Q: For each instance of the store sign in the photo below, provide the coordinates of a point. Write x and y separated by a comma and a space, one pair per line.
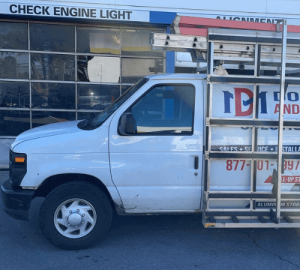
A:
249, 19
73, 12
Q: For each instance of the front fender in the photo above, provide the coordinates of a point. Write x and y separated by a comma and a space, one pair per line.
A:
43, 166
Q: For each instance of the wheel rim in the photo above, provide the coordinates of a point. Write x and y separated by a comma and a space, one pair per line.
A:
75, 218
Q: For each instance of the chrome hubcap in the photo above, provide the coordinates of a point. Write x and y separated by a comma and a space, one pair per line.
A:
75, 218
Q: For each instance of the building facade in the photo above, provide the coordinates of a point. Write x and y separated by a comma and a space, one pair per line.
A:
61, 61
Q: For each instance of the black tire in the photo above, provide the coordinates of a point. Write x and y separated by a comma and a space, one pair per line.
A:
82, 192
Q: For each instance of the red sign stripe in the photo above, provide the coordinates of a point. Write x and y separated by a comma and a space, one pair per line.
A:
198, 26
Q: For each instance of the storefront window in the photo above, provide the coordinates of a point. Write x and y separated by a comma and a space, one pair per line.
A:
133, 68
14, 122
102, 41
13, 35
14, 94
135, 42
97, 97
51, 37
14, 65
68, 71
40, 118
56, 67
98, 69
53, 95
83, 115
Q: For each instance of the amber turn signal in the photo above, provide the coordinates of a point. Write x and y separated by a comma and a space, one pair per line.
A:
19, 159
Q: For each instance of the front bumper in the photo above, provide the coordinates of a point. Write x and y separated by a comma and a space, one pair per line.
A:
16, 202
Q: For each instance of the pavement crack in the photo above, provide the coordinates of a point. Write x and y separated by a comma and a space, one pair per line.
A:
270, 252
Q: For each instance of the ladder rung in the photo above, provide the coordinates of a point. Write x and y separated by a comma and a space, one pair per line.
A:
251, 80
277, 40
250, 223
250, 122
226, 195
243, 155
235, 35
265, 213
247, 155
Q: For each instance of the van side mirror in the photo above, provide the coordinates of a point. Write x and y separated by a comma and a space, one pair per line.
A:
127, 124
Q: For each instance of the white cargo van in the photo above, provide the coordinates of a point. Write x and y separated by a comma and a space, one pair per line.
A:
178, 143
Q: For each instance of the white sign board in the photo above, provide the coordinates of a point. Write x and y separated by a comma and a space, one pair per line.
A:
235, 101
76, 12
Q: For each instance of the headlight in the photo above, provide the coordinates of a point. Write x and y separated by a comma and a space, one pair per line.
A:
17, 167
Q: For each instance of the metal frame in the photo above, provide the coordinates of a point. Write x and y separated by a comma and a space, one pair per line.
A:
251, 216
280, 126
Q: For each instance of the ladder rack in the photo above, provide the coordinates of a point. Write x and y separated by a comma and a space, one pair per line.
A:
233, 47
256, 60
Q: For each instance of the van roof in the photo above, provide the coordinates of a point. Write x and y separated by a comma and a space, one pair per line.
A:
177, 76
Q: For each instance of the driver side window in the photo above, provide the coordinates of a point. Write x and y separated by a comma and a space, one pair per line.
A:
165, 109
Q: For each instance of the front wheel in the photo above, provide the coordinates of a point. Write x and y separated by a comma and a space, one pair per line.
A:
75, 215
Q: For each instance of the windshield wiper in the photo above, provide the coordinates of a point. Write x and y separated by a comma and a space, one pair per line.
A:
89, 120
87, 123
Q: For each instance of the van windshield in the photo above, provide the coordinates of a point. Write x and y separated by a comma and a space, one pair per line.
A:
96, 120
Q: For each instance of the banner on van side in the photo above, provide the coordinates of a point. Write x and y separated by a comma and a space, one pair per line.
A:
234, 101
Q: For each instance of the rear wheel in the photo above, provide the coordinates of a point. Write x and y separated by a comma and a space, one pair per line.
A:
75, 215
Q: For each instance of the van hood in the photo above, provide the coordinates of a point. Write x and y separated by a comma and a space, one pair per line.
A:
47, 131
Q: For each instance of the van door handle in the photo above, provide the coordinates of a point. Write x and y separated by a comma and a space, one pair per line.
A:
196, 163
